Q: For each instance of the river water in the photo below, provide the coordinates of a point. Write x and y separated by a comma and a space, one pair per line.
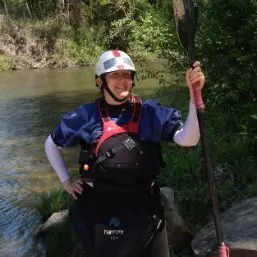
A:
31, 105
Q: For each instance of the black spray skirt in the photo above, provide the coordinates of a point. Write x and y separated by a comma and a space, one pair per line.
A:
117, 223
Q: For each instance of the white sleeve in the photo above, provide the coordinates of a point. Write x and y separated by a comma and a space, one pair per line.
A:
55, 158
189, 134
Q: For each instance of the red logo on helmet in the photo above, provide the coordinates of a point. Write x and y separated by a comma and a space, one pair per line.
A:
120, 67
116, 53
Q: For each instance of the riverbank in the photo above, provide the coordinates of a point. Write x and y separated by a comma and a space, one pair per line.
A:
35, 45
53, 43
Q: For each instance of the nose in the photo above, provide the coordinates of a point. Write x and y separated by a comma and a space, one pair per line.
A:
124, 79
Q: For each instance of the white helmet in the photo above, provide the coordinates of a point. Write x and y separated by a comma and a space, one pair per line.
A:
112, 61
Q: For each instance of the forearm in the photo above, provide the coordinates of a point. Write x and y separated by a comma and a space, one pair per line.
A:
189, 134
56, 159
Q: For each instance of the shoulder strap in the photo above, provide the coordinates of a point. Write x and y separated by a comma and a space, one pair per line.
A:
110, 128
102, 109
136, 116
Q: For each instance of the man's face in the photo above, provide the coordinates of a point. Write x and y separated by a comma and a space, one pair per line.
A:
120, 83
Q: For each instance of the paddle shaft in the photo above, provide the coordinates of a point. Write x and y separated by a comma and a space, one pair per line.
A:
186, 15
209, 174
191, 54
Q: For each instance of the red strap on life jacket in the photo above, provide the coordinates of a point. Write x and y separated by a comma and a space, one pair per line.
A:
110, 128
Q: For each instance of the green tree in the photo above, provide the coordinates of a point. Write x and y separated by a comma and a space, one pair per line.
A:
228, 46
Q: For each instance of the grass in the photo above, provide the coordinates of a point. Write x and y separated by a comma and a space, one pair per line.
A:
53, 201
60, 242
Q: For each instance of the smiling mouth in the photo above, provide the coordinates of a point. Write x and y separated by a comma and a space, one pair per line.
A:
121, 89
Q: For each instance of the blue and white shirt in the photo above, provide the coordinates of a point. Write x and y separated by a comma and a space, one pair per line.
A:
84, 124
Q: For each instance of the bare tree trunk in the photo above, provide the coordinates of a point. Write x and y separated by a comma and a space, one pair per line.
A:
68, 9
60, 4
6, 8
59, 11
28, 9
41, 12
75, 14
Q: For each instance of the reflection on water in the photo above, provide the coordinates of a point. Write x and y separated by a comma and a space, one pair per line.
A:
31, 104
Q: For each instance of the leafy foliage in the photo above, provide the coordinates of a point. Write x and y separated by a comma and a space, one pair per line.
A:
228, 46
5, 62
137, 26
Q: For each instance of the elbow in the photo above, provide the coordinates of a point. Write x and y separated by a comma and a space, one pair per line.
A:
187, 139
193, 144
190, 142
195, 141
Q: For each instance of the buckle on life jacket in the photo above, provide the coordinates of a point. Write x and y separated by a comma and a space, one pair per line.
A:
110, 153
107, 155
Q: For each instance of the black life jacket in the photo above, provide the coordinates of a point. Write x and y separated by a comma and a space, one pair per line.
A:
120, 157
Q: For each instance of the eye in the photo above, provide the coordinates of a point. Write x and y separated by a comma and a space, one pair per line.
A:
114, 75
127, 75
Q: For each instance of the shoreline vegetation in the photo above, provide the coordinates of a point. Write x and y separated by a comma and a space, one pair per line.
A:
67, 33
74, 34
35, 45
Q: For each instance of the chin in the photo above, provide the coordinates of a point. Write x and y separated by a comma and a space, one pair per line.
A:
123, 95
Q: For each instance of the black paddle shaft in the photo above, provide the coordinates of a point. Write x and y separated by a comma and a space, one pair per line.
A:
186, 15
210, 179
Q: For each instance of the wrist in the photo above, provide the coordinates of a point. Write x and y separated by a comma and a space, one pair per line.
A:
67, 182
192, 99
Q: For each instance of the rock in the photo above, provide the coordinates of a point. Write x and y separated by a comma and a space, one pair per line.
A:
239, 226
176, 228
55, 220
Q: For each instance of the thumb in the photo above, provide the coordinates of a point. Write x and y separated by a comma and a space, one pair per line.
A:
188, 72
196, 63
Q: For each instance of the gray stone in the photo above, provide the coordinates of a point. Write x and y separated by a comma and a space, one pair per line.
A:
55, 220
239, 226
176, 228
